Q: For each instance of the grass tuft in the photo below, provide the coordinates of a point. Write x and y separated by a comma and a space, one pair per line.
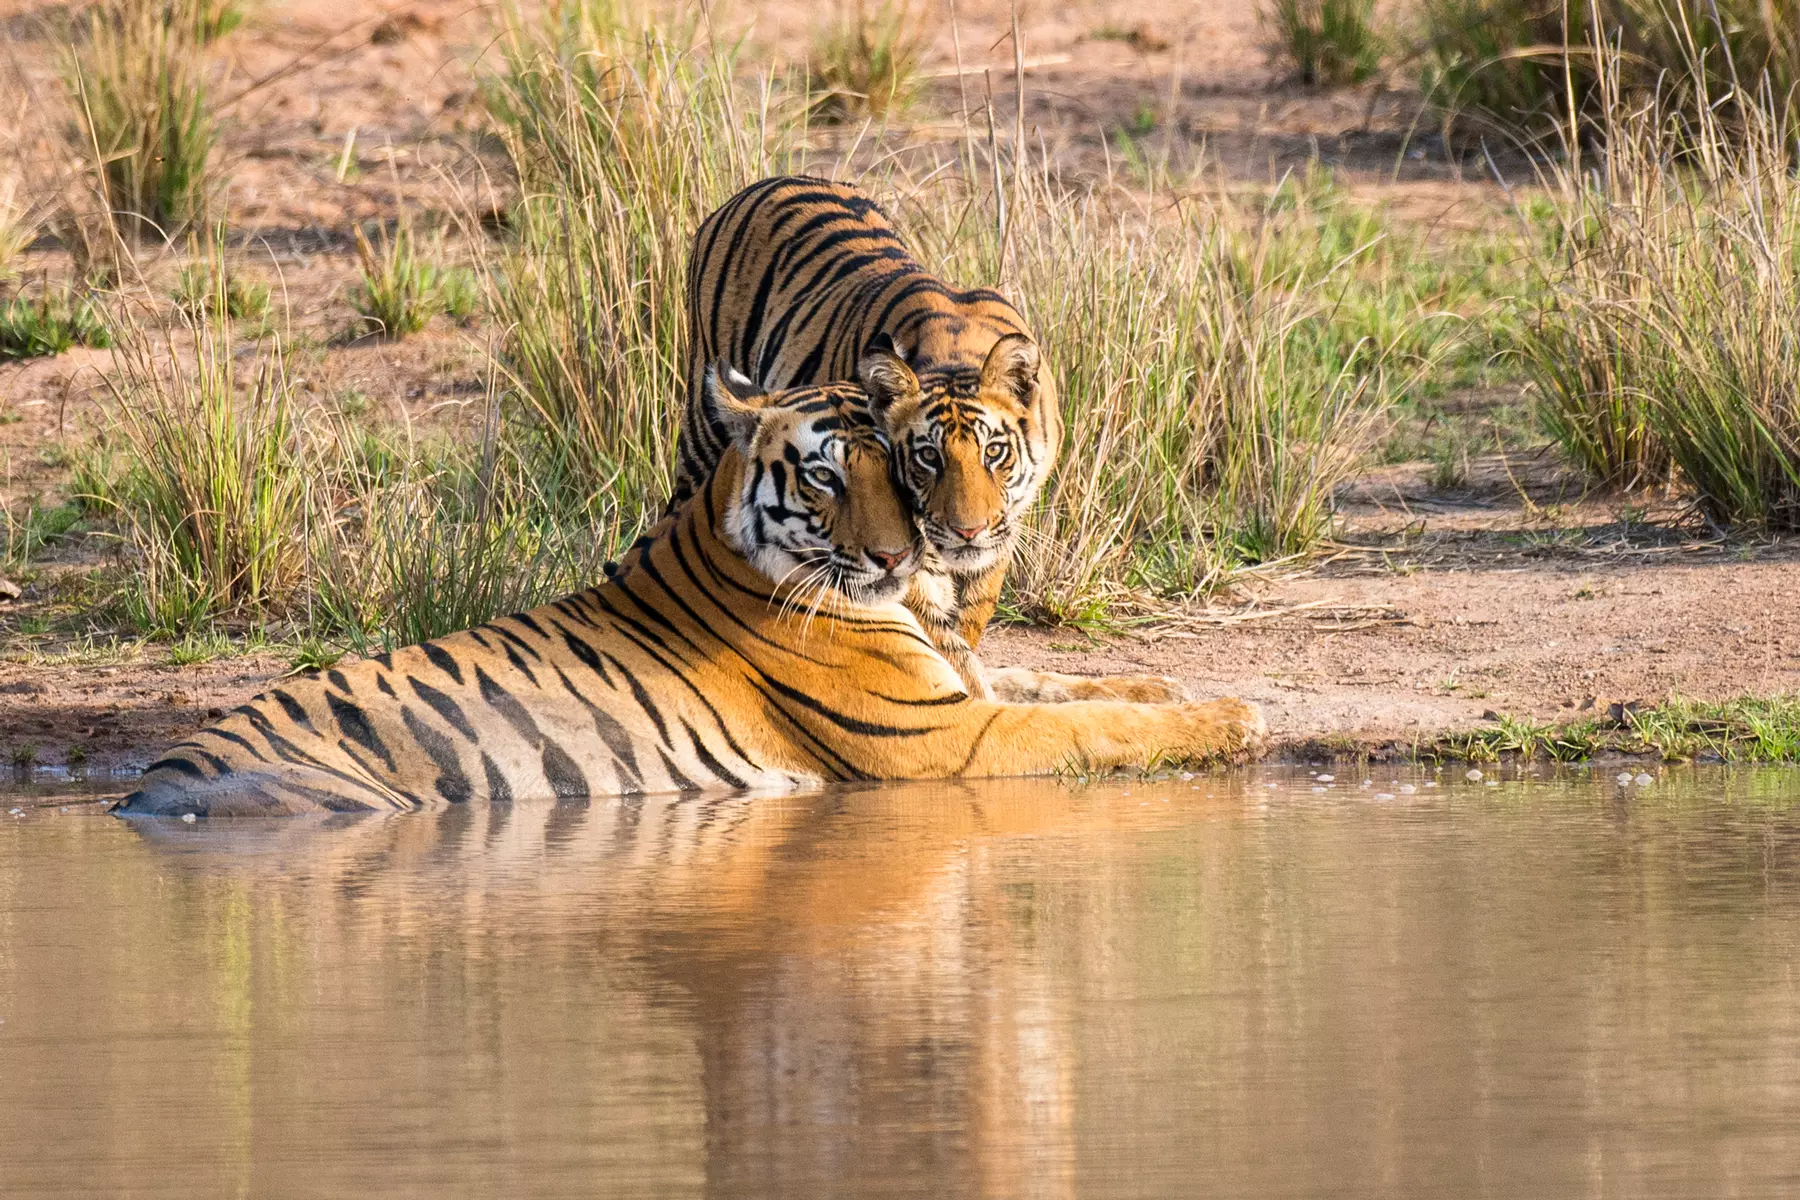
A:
207, 288
1328, 41
400, 291
866, 64
137, 86
217, 492
623, 141
1663, 330
51, 324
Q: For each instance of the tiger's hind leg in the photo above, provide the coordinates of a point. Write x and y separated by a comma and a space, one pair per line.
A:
1022, 685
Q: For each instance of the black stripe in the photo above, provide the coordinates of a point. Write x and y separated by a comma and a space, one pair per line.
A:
180, 766
711, 763
443, 706
499, 790
680, 782
354, 724
293, 709
452, 784
503, 702
443, 660
613, 734
565, 778
843, 720
236, 739
642, 697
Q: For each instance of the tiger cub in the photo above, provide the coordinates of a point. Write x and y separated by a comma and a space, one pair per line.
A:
790, 282
756, 642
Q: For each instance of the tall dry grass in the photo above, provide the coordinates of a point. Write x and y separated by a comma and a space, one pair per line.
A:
865, 64
1666, 330
136, 81
623, 139
1525, 68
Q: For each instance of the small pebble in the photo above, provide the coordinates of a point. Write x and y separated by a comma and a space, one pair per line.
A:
1407, 789
1384, 795
13, 812
1624, 778
1474, 776
1318, 791
1271, 786
1186, 775
1327, 778
1493, 783
188, 818
1644, 781
1431, 783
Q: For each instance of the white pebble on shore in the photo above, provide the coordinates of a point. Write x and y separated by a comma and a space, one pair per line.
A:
1474, 775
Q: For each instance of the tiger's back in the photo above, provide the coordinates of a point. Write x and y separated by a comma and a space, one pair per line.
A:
794, 277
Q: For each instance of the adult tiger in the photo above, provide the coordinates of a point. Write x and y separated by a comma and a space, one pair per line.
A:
700, 663
790, 281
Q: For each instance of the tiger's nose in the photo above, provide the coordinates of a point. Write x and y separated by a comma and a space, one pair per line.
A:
968, 535
890, 560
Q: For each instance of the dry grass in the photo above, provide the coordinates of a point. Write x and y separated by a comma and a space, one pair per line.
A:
1669, 302
137, 87
865, 65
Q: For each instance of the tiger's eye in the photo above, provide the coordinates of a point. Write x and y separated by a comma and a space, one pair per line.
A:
927, 457
822, 478
995, 453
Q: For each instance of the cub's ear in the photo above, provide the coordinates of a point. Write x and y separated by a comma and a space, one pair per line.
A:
731, 402
885, 376
1012, 366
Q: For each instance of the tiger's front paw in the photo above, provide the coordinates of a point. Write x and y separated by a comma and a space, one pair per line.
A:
1231, 729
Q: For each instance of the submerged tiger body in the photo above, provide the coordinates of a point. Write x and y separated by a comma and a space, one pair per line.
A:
792, 282
697, 665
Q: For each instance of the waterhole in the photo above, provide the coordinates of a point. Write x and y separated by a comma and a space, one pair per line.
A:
1385, 983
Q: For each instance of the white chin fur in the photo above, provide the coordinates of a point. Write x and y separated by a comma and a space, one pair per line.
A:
969, 559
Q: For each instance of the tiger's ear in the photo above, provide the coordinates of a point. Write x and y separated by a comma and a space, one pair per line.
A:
1012, 366
885, 376
731, 402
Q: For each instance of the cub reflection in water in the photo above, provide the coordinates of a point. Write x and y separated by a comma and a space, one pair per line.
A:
755, 641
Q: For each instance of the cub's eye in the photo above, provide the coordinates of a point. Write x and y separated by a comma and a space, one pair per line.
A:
927, 456
995, 454
823, 478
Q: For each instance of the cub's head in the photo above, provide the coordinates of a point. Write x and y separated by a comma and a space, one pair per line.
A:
817, 506
971, 447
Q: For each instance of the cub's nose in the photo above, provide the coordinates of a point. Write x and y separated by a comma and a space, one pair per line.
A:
890, 560
968, 535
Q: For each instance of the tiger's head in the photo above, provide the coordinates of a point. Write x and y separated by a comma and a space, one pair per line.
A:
817, 506
971, 447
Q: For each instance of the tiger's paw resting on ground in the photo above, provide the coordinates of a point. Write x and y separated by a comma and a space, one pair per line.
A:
1021, 685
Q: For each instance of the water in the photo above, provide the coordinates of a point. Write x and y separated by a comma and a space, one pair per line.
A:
1203, 988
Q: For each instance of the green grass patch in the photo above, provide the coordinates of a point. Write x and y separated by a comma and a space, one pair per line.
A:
56, 321
1746, 730
1328, 41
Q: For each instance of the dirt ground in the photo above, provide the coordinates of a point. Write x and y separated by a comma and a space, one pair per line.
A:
1514, 593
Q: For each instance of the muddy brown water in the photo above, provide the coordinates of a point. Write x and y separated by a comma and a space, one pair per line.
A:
1233, 985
